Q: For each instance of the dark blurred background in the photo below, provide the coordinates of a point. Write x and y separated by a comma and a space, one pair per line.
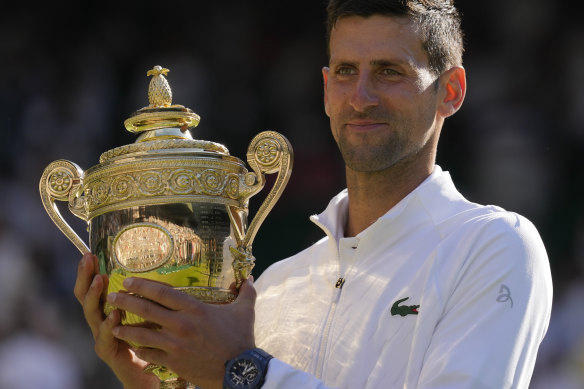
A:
71, 73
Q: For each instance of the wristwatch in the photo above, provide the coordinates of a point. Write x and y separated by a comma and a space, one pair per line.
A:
247, 370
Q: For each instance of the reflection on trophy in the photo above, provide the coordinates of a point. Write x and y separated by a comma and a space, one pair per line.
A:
169, 207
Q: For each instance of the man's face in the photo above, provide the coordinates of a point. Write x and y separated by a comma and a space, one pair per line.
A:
380, 94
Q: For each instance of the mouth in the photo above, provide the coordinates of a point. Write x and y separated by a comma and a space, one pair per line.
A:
364, 125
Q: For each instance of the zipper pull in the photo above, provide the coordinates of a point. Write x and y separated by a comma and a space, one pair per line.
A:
340, 283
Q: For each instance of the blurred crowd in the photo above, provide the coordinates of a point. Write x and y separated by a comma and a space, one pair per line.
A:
73, 72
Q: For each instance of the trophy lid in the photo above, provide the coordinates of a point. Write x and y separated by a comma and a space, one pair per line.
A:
162, 125
165, 165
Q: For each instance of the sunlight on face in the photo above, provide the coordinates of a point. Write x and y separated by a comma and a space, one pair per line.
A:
379, 91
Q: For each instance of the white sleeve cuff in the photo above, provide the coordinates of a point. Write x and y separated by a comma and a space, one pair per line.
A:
283, 376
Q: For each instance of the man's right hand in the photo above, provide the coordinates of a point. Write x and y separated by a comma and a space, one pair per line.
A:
90, 288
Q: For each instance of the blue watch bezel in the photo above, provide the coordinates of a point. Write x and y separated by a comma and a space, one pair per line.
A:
259, 357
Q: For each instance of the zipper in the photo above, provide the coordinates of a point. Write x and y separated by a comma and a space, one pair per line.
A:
324, 342
322, 350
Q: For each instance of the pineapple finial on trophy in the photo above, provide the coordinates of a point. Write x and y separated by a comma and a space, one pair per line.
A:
159, 92
161, 119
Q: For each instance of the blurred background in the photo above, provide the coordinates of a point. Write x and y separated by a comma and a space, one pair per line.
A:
73, 72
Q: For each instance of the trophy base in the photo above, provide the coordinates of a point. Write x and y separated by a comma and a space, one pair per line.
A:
168, 380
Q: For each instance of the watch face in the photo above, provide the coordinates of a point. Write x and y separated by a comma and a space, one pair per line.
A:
244, 373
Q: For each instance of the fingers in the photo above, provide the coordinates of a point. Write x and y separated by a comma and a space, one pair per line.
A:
161, 293
164, 297
247, 293
89, 286
148, 310
152, 355
91, 303
104, 341
142, 336
85, 273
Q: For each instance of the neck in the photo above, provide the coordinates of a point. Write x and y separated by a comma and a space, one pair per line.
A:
372, 194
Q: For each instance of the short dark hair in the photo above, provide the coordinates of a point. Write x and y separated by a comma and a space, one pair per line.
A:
438, 22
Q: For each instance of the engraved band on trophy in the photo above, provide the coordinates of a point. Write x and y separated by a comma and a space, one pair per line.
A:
169, 207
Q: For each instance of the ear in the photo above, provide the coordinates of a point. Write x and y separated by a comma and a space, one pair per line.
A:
453, 90
325, 74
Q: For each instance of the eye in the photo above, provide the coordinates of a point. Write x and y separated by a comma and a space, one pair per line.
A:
389, 72
345, 70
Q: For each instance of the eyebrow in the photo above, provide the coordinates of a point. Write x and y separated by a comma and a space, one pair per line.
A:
377, 63
385, 62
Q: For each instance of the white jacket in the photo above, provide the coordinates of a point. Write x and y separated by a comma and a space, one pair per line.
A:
470, 287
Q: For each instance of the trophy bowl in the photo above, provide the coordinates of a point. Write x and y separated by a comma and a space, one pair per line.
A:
169, 207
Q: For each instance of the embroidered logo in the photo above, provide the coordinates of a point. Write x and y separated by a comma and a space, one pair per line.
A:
403, 310
505, 295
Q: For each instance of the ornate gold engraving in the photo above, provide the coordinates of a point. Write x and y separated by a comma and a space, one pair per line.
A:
119, 186
142, 247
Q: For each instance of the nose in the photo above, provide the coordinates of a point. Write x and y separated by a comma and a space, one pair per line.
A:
364, 94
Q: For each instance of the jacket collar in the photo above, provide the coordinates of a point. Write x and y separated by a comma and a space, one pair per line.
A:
436, 194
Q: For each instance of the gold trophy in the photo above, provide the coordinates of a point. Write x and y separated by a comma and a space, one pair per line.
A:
169, 207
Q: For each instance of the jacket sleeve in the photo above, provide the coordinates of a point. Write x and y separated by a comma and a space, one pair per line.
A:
496, 312
283, 376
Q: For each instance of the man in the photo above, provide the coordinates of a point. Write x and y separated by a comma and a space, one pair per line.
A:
412, 287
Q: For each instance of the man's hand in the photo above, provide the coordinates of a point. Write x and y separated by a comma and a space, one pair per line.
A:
193, 339
89, 288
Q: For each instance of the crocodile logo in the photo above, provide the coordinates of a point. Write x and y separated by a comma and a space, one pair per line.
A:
403, 310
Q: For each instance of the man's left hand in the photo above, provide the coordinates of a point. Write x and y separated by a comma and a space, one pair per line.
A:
194, 339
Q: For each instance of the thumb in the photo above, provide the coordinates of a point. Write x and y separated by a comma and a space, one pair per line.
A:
247, 293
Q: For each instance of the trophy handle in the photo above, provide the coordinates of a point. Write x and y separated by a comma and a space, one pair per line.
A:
61, 181
269, 152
